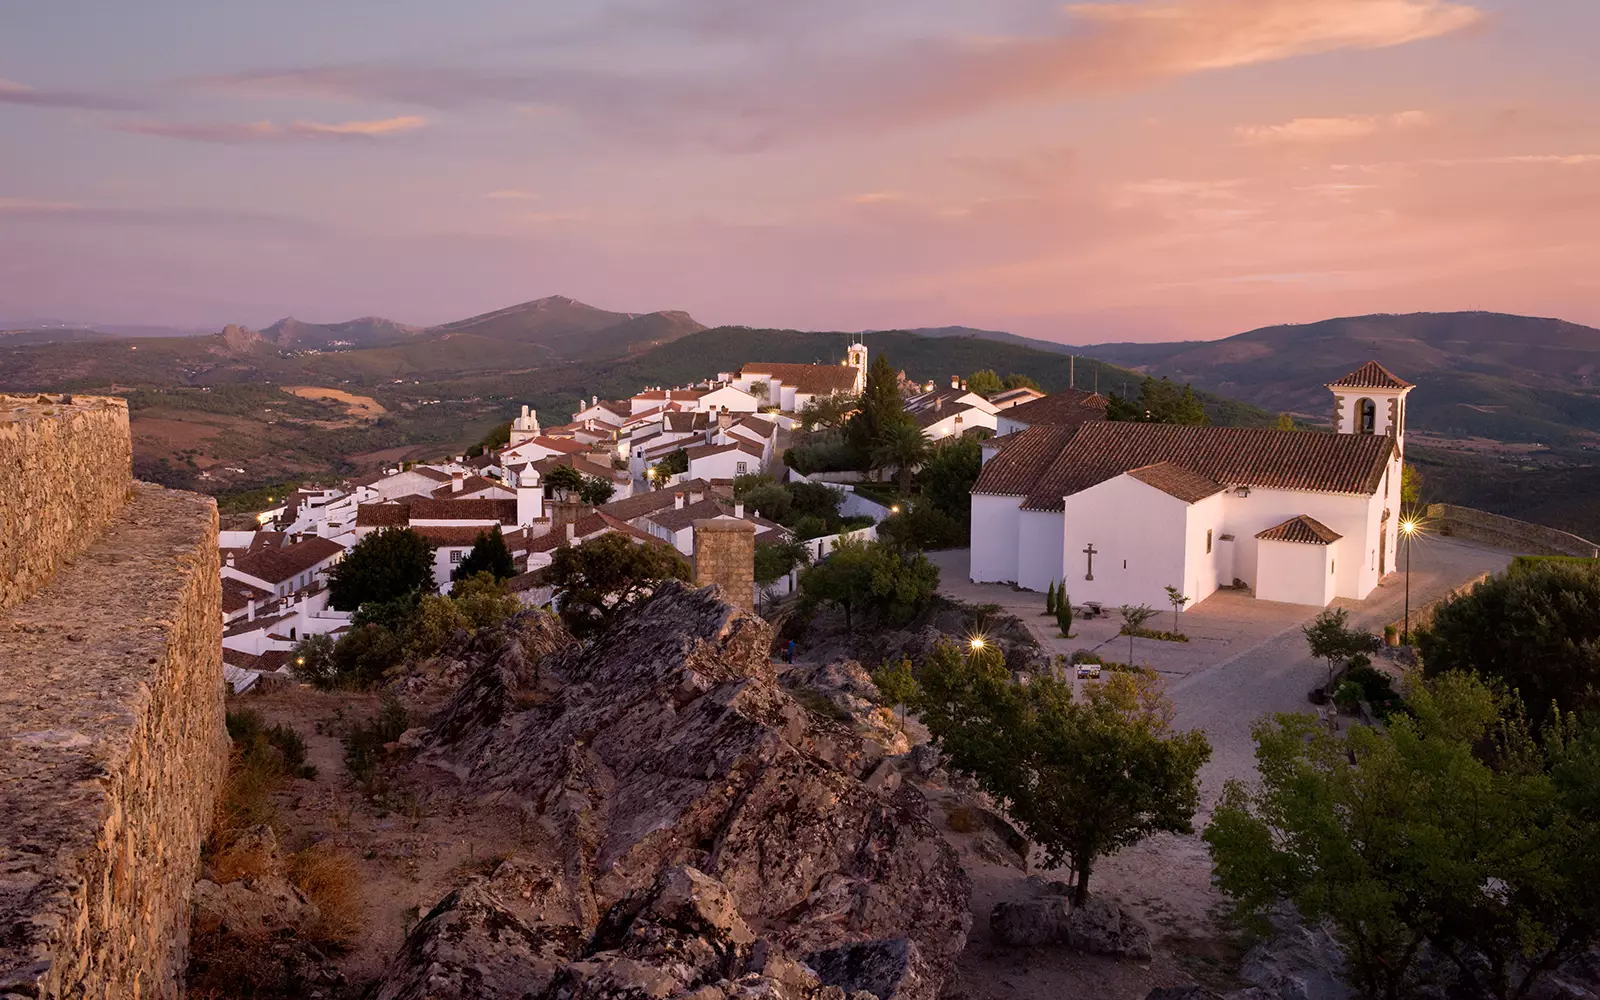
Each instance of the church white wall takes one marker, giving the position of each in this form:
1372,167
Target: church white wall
1205,571
1139,537
729,398
1040,538
1296,572
1356,518
968,419
994,538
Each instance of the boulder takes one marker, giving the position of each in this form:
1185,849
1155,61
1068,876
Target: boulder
1026,923
473,946
849,694
1182,993
264,906
1300,963
667,743
1102,928
889,970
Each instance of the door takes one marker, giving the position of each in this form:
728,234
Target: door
1383,552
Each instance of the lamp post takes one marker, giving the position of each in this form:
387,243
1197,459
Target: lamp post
1407,528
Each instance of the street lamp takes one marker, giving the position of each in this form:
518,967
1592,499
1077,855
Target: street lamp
977,643
1408,528
895,509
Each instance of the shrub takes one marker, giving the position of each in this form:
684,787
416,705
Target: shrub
1151,633
331,879
363,747
362,656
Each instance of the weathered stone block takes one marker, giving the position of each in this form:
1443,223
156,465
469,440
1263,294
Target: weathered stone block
112,748
65,466
725,556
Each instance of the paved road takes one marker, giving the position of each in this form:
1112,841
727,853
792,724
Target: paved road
1275,675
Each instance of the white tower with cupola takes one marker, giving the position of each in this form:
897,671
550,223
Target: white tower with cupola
1371,400
857,359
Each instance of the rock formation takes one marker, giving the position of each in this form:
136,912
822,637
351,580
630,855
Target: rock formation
708,834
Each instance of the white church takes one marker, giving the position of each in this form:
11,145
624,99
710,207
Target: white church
1115,512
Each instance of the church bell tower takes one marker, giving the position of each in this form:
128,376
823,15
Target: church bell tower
857,359
1371,400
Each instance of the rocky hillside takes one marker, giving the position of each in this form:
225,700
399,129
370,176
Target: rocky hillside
700,831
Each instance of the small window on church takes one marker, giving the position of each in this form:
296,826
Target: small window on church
1367,412
1208,541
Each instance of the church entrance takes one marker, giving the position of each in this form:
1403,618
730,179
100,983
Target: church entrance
1383,552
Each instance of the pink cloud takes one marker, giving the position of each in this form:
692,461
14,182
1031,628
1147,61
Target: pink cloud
234,133
1336,129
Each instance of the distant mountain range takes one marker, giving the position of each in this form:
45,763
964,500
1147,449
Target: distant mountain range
559,327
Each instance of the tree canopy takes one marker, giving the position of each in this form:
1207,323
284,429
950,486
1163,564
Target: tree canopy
1452,828
563,481
1159,402
489,555
386,565
871,577
901,447
596,491
881,407
984,382
831,411
599,579
1331,638
1080,778
1536,628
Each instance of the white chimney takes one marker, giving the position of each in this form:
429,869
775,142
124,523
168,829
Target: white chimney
677,501
594,400
458,481
572,531
738,510
530,499
955,381
230,558
250,610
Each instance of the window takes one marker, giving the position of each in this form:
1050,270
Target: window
741,468
1331,564
455,556
1208,541
1367,414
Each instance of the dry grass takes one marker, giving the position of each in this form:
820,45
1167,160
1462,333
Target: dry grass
962,819
240,858
331,879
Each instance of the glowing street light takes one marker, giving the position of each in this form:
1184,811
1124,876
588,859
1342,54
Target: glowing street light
1408,528
977,643
895,509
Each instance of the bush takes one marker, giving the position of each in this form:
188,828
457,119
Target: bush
363,747
1151,633
330,879
924,526
362,656
313,660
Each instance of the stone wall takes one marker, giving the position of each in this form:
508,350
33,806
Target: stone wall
725,556
1506,533
112,744
65,465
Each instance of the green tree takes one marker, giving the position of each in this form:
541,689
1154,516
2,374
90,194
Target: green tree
596,491
776,560
948,474
1536,629
1160,402
498,437
769,499
1050,599
675,464
1026,745
388,564
313,660
1018,381
831,411
563,481
1331,638
363,654
1133,619
1177,599
1410,486
605,576
436,621
881,407
871,577
898,686
1064,615
985,383
1285,422
901,446
489,555
484,601
1451,828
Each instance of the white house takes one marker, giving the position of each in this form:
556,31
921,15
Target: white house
1116,512
610,413
728,399
723,461
790,387
283,571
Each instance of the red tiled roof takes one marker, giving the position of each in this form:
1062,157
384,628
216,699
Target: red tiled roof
677,518
764,428
683,422
383,515
586,527
1174,480
708,450
1371,376
278,565
1023,459
471,484
1234,456
504,511
453,536
644,503
1307,530
814,380
1067,408
237,595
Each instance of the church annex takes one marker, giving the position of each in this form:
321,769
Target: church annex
1116,512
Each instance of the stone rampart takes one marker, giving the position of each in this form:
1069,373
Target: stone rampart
65,465
1506,532
725,556
112,744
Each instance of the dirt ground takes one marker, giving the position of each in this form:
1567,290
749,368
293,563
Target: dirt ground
412,844
362,407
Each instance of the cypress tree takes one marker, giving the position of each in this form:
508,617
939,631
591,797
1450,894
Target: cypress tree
1064,613
1050,599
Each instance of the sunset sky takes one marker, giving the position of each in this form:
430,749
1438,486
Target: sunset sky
1125,169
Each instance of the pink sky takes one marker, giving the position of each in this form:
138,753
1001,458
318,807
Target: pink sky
1142,169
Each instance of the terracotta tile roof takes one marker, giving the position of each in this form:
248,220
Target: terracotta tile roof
504,511
589,526
708,450
1234,456
1174,480
1022,460
471,484
1002,398
580,462
644,503
452,536
237,595
1068,408
383,515
679,518
257,624
277,565
926,418
683,422
814,380
1301,529
765,428
1371,376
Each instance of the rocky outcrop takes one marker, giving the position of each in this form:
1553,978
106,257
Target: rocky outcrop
845,690
1097,927
683,787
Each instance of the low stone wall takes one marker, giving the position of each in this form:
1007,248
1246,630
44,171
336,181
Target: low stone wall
112,753
1506,532
65,465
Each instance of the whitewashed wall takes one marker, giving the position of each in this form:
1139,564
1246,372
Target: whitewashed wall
1139,534
1356,518
1205,571
994,538
1039,544
1296,572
